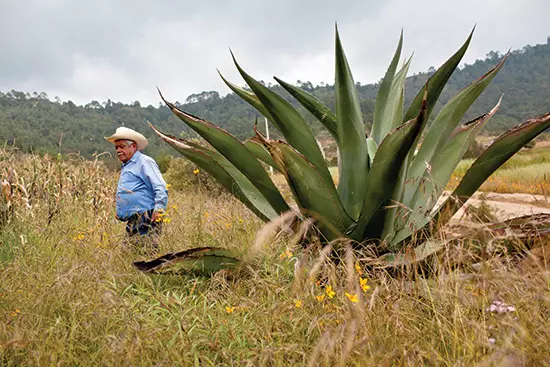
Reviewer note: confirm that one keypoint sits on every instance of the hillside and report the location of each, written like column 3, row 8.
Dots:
column 32, row 122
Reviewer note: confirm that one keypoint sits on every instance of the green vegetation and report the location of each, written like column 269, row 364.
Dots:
column 70, row 296
column 526, row 172
column 31, row 121
column 388, row 183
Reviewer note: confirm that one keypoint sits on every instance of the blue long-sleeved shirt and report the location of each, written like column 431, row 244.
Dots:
column 140, row 187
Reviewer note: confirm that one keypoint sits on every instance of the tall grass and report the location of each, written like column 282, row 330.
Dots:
column 526, row 172
column 69, row 295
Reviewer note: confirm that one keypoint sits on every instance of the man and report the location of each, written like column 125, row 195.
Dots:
column 141, row 196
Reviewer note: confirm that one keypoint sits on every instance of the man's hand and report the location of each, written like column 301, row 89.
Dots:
column 156, row 217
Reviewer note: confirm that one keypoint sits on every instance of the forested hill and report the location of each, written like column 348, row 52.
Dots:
column 34, row 122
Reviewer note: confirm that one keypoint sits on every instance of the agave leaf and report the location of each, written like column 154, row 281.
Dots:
column 258, row 150
column 249, row 97
column 382, row 125
column 313, row 105
column 411, row 256
column 491, row 159
column 352, row 140
column 224, row 172
column 384, row 177
column 437, row 82
column 393, row 109
column 372, row 147
column 437, row 177
column 198, row 261
column 442, row 127
column 285, row 117
column 236, row 153
column 315, row 196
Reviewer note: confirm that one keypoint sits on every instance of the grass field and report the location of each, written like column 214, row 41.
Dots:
column 70, row 296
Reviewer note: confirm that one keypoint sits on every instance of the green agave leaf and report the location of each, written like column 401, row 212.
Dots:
column 437, row 82
column 392, row 114
column 236, row 153
column 224, row 172
column 372, row 148
column 410, row 257
column 285, row 117
column 384, row 177
column 313, row 105
column 201, row 261
column 490, row 160
column 438, row 175
column 382, row 125
column 249, row 97
column 440, row 130
column 352, row 140
column 258, row 150
column 315, row 196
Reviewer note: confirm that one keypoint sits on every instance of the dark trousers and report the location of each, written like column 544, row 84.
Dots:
column 143, row 232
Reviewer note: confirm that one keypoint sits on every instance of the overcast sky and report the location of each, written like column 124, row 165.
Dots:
column 96, row 50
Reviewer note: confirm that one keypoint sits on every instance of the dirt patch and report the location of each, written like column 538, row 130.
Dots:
column 506, row 206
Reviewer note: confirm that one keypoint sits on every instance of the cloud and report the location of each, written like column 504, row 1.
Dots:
column 120, row 50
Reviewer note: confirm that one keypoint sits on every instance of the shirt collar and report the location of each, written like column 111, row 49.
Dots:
column 133, row 159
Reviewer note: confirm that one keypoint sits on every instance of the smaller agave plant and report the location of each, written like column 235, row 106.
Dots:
column 390, row 181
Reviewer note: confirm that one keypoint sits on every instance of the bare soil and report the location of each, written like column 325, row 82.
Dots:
column 506, row 206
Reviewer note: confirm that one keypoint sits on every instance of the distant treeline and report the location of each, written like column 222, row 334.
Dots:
column 33, row 122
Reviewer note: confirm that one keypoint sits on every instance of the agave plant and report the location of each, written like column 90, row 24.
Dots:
column 389, row 181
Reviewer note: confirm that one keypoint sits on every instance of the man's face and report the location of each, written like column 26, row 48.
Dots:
column 125, row 150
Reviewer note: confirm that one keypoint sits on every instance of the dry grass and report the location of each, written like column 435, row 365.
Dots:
column 69, row 295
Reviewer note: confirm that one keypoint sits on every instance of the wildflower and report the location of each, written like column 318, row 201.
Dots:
column 352, row 297
column 227, row 225
column 363, row 284
column 241, row 220
column 206, row 214
column 79, row 237
column 168, row 186
column 286, row 255
column 196, row 171
column 329, row 292
column 320, row 298
column 358, row 269
column 167, row 220
column 298, row 304
column 229, row 309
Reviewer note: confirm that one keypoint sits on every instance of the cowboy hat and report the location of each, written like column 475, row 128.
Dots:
column 123, row 133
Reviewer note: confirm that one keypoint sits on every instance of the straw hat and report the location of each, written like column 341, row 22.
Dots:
column 128, row 134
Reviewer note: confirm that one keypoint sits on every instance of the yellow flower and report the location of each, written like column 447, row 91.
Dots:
column 286, row 255
column 329, row 292
column 298, row 304
column 358, row 269
column 167, row 220
column 196, row 171
column 320, row 297
column 241, row 220
column 79, row 237
column 229, row 309
column 363, row 283
column 206, row 214
column 168, row 186
column 352, row 297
